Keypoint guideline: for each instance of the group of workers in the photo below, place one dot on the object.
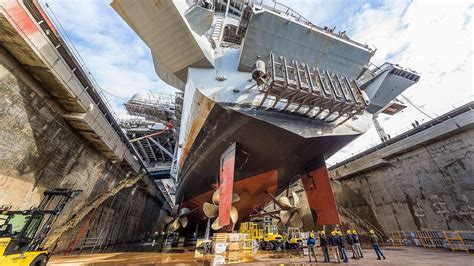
(337, 243)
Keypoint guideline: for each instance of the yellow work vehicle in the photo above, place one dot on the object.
(251, 229)
(22, 232)
(268, 237)
(294, 239)
(271, 238)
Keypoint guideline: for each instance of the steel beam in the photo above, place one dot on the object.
(162, 148)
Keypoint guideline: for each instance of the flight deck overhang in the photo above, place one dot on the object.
(175, 46)
(384, 83)
(271, 32)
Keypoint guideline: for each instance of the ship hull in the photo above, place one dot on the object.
(269, 157)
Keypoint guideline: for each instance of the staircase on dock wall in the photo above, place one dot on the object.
(361, 222)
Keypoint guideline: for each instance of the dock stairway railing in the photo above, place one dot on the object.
(361, 222)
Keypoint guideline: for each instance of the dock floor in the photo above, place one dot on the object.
(394, 256)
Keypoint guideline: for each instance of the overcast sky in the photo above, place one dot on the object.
(435, 38)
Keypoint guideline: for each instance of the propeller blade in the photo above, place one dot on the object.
(275, 221)
(234, 215)
(174, 211)
(183, 211)
(295, 220)
(284, 216)
(215, 225)
(215, 197)
(183, 221)
(296, 199)
(210, 210)
(284, 201)
(235, 198)
(301, 211)
(168, 219)
(173, 226)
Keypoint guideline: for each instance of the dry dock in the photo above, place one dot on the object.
(395, 256)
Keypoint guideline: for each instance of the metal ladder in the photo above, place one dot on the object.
(218, 25)
(361, 222)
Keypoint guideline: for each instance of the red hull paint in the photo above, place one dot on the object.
(227, 181)
(320, 197)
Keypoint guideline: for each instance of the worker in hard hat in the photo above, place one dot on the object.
(374, 239)
(356, 241)
(333, 244)
(206, 4)
(311, 242)
(350, 242)
(323, 242)
(341, 246)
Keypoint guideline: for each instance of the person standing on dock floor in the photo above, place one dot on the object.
(311, 242)
(333, 243)
(323, 242)
(356, 241)
(374, 241)
(350, 242)
(341, 246)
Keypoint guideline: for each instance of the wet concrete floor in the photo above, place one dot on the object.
(407, 256)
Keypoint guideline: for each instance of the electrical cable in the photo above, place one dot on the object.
(417, 107)
(79, 57)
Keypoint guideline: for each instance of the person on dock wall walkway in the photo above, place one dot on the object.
(356, 241)
(323, 240)
(374, 239)
(311, 242)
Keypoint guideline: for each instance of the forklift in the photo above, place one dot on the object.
(294, 239)
(22, 232)
(268, 237)
(272, 240)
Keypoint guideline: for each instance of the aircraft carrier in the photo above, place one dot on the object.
(286, 92)
(258, 85)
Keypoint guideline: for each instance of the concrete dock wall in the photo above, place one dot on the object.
(39, 150)
(130, 216)
(424, 187)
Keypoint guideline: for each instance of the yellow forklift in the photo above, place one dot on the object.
(271, 238)
(22, 232)
(294, 239)
(268, 237)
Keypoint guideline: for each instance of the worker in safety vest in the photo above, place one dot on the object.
(374, 239)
